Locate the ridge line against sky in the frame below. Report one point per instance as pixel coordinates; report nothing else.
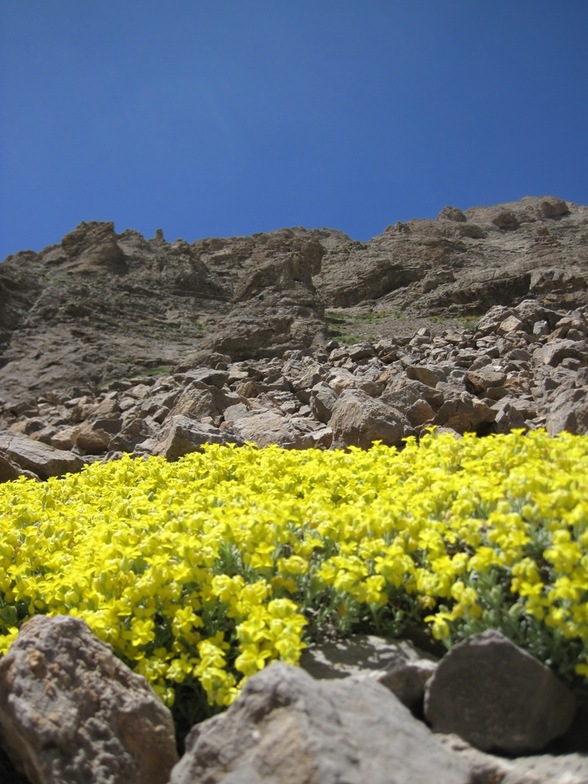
(222, 118)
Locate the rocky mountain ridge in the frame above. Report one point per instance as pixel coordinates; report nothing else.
(102, 306)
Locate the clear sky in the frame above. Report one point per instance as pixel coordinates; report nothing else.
(223, 117)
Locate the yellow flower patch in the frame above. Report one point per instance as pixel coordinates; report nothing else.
(201, 572)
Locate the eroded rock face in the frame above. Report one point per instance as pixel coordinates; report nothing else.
(71, 712)
(467, 260)
(103, 306)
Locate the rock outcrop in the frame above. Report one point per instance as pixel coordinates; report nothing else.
(102, 306)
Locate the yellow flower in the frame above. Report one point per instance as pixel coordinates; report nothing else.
(251, 659)
(142, 632)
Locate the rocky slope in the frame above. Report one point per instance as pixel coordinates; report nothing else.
(522, 367)
(114, 343)
(111, 343)
(102, 306)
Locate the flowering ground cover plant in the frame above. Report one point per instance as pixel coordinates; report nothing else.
(200, 572)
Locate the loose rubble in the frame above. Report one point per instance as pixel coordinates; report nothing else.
(522, 367)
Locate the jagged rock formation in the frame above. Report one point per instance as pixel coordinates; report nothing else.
(102, 306)
(465, 262)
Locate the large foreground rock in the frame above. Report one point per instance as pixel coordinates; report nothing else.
(497, 697)
(71, 713)
(288, 728)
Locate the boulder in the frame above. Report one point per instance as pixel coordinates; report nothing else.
(512, 414)
(554, 352)
(135, 430)
(93, 438)
(10, 470)
(64, 437)
(198, 400)
(322, 401)
(497, 697)
(425, 374)
(184, 435)
(359, 420)
(479, 381)
(205, 375)
(72, 713)
(38, 458)
(569, 411)
(506, 220)
(511, 324)
(492, 319)
(287, 727)
(420, 414)
(396, 664)
(271, 426)
(402, 394)
(452, 214)
(464, 413)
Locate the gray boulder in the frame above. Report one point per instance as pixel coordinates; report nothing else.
(72, 713)
(183, 435)
(569, 411)
(396, 664)
(557, 350)
(287, 727)
(322, 401)
(463, 413)
(497, 697)
(271, 426)
(359, 419)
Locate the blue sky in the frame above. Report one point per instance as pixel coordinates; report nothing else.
(225, 117)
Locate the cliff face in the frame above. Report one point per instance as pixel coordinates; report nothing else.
(101, 306)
